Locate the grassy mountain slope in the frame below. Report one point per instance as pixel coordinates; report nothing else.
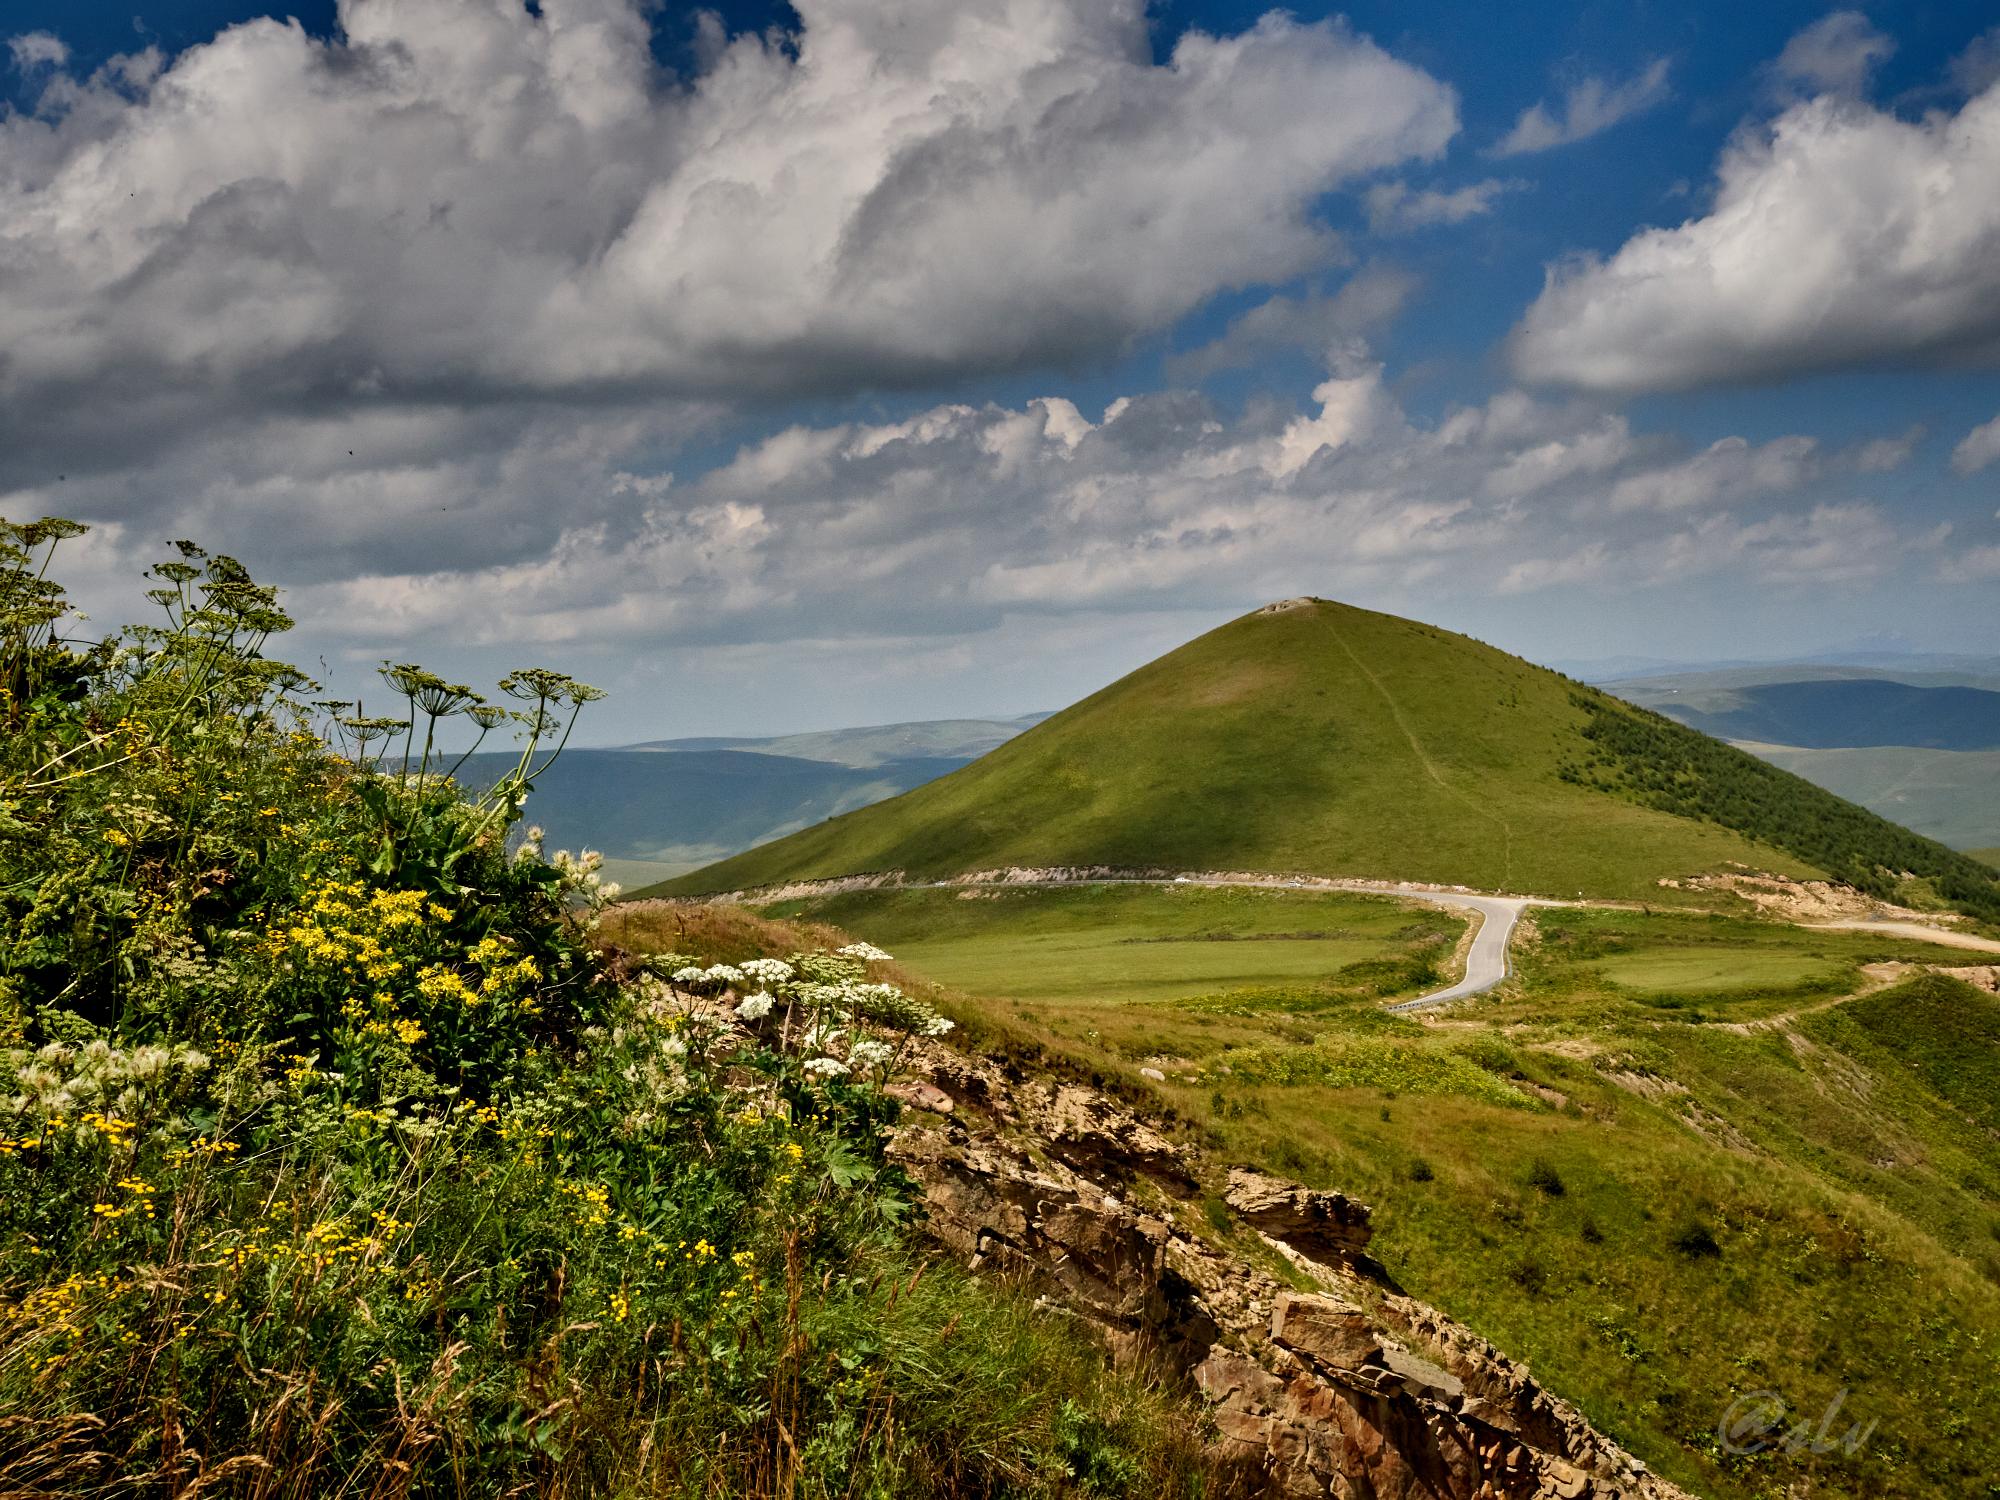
(1335, 740)
(1952, 796)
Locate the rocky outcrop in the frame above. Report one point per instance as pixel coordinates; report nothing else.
(1323, 1379)
(1322, 1226)
(1981, 976)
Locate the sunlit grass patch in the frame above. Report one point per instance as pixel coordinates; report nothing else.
(1722, 970)
(1401, 1067)
(1117, 944)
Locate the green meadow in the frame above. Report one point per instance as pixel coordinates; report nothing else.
(1680, 1158)
(1119, 944)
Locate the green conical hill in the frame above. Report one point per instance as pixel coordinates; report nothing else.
(1312, 737)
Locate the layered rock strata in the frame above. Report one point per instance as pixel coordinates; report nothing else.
(1322, 1377)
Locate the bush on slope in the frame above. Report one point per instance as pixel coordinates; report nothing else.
(336, 1159)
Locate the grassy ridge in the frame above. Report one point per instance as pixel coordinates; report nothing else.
(1333, 740)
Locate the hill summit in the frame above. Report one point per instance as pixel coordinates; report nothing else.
(1314, 737)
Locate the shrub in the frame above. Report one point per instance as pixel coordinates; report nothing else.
(1544, 1178)
(1529, 1274)
(1649, 759)
(1694, 1239)
(333, 1147)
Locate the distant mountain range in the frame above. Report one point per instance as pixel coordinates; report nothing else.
(1830, 713)
(1900, 666)
(955, 740)
(666, 806)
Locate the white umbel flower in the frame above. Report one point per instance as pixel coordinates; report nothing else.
(869, 1054)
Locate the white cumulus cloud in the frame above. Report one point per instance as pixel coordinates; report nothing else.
(1836, 54)
(1840, 236)
(955, 517)
(37, 49)
(1395, 207)
(465, 202)
(1729, 470)
(1977, 448)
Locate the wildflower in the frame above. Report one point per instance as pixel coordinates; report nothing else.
(766, 971)
(825, 1067)
(868, 953)
(868, 1054)
(755, 1007)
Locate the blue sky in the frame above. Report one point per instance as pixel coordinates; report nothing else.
(916, 362)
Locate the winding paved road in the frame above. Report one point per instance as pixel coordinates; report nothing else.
(1487, 963)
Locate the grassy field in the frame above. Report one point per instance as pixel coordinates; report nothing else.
(1680, 1158)
(1703, 966)
(1102, 945)
(1139, 973)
